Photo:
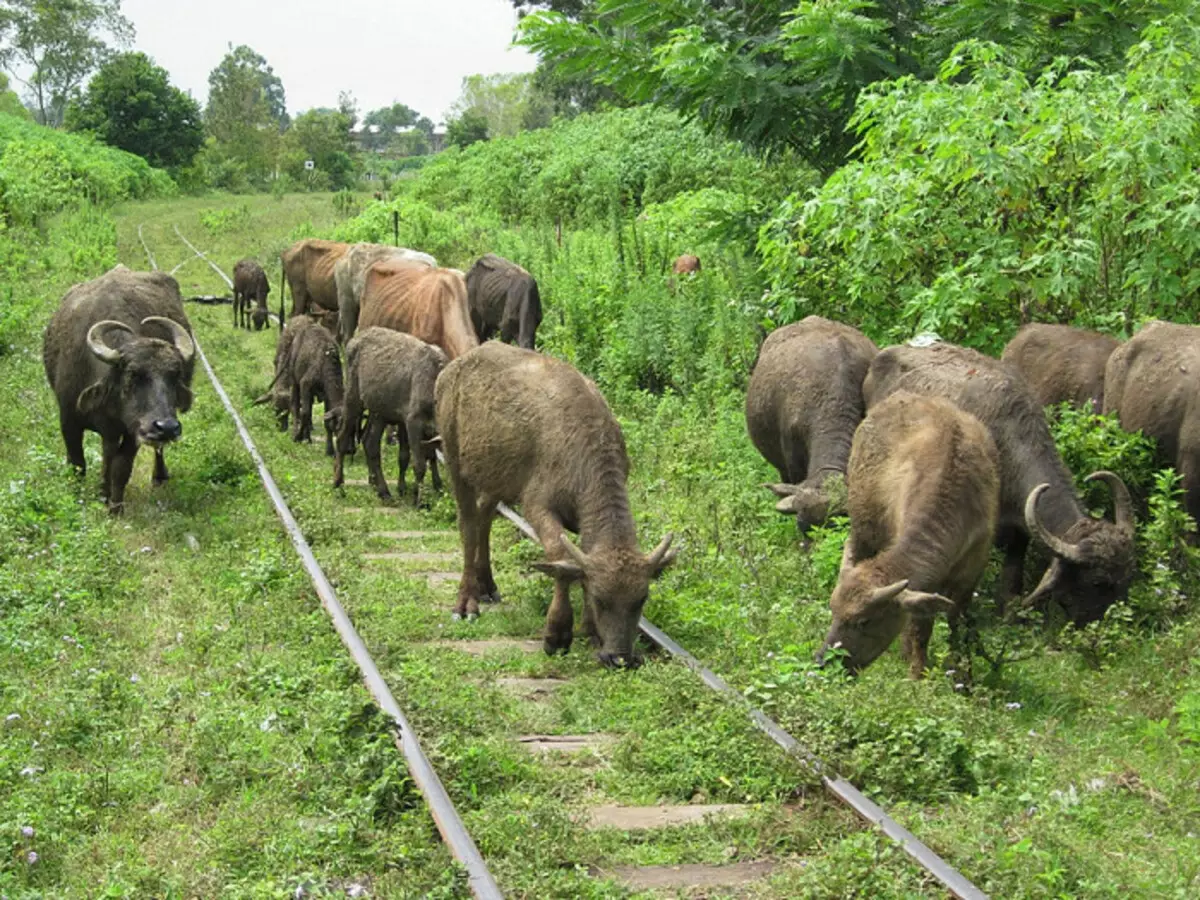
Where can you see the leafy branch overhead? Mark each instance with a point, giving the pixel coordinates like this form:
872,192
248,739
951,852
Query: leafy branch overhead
780,74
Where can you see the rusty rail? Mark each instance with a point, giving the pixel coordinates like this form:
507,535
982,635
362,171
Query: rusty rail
445,816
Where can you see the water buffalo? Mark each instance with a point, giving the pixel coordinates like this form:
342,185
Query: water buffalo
1092,562
503,299
1152,383
119,357
428,303
350,275
924,490
250,285
1061,363
803,403
520,427
308,367
686,264
391,375
308,270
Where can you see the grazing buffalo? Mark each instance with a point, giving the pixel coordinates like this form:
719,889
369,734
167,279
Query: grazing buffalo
503,299
350,274
1061,363
428,303
391,375
520,427
1092,561
1152,383
803,403
250,285
686,264
308,270
119,355
924,490
309,367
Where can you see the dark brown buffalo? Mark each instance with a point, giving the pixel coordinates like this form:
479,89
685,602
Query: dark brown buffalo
520,427
428,303
924,490
250,285
308,271
308,367
1152,383
1061,363
1092,562
803,403
350,275
504,300
119,355
686,264
391,375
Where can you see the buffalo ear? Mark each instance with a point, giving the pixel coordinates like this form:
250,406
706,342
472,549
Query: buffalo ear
561,569
93,398
184,395
922,603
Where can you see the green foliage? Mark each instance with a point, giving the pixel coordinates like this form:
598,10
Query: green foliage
131,104
786,74
323,136
984,197
43,171
1088,442
10,103
58,45
509,104
467,128
245,115
222,221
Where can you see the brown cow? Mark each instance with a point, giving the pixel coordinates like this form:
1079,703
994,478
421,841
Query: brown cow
428,303
308,270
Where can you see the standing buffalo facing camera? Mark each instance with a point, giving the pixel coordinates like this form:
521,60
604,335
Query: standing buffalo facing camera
119,355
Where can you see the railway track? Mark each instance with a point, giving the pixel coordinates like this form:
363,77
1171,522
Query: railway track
448,821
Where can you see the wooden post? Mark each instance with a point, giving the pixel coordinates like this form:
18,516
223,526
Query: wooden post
558,229
396,227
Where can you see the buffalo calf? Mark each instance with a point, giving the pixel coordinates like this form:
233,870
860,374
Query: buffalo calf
250,285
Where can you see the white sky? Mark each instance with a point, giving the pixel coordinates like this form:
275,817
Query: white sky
412,51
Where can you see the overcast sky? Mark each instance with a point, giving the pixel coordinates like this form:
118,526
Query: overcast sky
412,51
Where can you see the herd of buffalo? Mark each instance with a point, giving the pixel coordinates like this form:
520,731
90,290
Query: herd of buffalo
935,452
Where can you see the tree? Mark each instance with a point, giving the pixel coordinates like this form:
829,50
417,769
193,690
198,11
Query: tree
468,128
58,42
131,104
10,103
398,130
246,110
507,102
322,135
782,74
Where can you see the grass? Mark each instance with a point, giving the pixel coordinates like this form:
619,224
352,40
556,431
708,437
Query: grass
245,759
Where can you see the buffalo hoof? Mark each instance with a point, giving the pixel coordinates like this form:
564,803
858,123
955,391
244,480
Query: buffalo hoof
469,617
553,646
116,509
491,597
619,660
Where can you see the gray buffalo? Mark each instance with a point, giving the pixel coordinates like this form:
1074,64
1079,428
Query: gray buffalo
1092,561
924,490
391,375
520,427
504,300
1062,364
250,286
118,354
803,403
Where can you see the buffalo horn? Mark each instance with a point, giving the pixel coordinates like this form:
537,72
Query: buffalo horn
96,343
890,592
1057,545
1049,579
574,552
1122,503
183,341
659,553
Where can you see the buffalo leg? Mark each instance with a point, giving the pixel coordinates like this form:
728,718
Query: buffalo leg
1014,542
415,431
916,644
294,410
431,454
306,405
370,443
403,457
110,447
72,434
469,514
160,467
120,467
560,619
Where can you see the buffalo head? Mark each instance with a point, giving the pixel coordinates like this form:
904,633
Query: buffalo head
812,502
868,614
259,318
1093,560
146,385
615,586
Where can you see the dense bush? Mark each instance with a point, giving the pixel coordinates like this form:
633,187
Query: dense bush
43,171
985,198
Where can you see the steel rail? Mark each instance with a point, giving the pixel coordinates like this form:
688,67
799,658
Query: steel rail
448,822
843,790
